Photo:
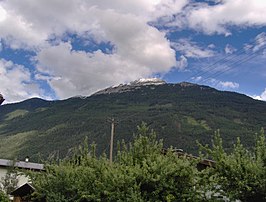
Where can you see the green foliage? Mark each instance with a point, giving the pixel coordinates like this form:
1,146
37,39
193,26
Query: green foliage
3,197
240,174
180,114
140,172
160,177
9,182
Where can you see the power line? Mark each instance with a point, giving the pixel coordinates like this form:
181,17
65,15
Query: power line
233,65
227,59
204,70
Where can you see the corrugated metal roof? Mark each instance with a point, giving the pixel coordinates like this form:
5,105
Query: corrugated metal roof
21,164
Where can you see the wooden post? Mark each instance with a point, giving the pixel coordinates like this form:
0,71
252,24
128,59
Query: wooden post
112,139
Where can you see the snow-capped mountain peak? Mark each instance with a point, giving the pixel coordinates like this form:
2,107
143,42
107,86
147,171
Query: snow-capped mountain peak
131,86
148,81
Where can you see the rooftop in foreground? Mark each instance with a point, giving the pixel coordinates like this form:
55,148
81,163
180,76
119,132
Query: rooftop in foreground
21,164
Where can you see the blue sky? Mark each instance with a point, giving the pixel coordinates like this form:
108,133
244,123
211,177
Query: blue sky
56,50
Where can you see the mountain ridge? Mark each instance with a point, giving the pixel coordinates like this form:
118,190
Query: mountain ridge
130,86
180,113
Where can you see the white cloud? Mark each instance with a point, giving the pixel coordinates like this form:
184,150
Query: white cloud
224,85
229,49
80,73
182,63
197,78
263,95
16,84
151,9
216,18
256,97
168,8
191,49
257,44
228,85
136,41
36,21
260,41
260,97
139,49
2,14
211,46
19,33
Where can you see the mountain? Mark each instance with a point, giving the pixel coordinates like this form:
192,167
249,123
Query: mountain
122,88
180,114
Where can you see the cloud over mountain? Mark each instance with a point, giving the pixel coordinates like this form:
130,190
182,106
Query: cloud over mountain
88,45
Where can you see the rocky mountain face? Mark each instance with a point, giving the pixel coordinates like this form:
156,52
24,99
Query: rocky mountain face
134,85
180,114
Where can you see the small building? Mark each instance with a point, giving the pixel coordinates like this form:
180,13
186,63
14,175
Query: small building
202,164
23,187
22,193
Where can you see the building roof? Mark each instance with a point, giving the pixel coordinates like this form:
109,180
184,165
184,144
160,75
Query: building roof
21,164
203,163
23,190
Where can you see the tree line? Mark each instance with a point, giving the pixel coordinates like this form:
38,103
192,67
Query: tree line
141,172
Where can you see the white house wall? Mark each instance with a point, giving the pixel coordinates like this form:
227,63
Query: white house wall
22,179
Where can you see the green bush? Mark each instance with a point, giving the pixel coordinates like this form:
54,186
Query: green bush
3,197
240,174
140,172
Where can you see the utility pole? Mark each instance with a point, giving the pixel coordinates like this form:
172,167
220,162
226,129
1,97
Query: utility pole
112,140
112,121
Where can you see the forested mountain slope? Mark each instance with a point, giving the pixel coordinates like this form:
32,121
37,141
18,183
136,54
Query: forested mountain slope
180,114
